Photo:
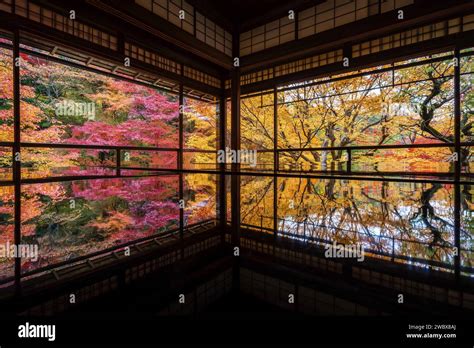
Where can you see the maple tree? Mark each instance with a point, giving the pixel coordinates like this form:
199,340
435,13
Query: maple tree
411,105
69,219
200,133
405,106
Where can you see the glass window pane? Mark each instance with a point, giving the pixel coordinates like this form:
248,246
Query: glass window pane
63,104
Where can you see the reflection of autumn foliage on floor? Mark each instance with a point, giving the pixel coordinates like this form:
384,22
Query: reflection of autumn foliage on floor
152,201
257,201
416,219
199,197
6,227
70,219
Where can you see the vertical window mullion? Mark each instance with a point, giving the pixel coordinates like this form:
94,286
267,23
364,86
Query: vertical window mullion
17,152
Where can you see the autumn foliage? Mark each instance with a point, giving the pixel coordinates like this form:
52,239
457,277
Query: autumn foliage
74,218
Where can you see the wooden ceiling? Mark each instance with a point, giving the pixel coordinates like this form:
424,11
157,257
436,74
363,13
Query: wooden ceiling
246,14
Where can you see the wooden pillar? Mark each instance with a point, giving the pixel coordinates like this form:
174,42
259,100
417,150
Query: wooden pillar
235,144
222,197
458,163
16,155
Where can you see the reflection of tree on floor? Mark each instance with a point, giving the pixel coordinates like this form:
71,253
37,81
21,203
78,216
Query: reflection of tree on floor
412,218
427,215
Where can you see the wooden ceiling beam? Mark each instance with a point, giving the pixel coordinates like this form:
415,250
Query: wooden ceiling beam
422,12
